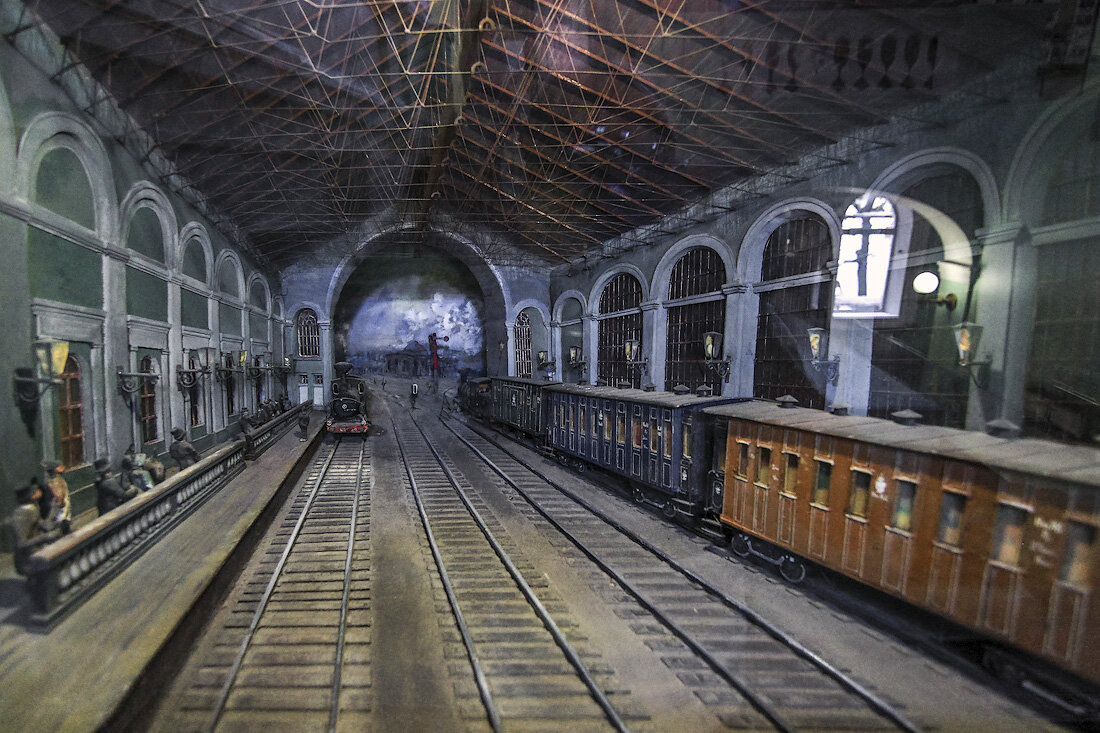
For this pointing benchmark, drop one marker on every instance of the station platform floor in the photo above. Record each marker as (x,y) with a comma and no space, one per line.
(75,676)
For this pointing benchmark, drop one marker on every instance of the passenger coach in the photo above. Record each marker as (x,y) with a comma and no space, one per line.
(653,439)
(996,534)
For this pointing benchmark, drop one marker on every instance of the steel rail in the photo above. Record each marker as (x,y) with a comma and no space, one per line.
(334,703)
(876,703)
(463,629)
(238,660)
(548,622)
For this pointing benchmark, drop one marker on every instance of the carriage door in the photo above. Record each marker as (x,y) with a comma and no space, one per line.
(855,521)
(620,436)
(638,430)
(606,432)
(653,446)
(760,490)
(594,427)
(1066,629)
(1003,571)
(666,449)
(788,497)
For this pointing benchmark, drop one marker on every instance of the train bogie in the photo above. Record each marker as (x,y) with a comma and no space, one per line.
(995,534)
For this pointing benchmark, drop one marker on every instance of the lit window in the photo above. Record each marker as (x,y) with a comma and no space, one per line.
(790,474)
(636,441)
(860,494)
(668,439)
(822,482)
(903,506)
(606,425)
(951,519)
(742,459)
(763,465)
(583,420)
(620,429)
(1076,561)
(1008,534)
(865,251)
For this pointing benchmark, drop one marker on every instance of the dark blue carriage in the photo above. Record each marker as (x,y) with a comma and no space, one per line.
(519,404)
(655,440)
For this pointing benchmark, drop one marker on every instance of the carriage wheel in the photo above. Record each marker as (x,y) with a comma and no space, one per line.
(580,466)
(639,495)
(739,545)
(792,569)
(669,510)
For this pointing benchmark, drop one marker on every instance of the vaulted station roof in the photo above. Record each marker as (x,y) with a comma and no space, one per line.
(550,125)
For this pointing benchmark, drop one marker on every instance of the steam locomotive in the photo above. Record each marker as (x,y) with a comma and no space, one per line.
(347,413)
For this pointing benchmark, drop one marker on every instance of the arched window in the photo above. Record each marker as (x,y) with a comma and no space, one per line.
(1074,190)
(619,320)
(866,256)
(70,406)
(572,335)
(913,354)
(522,333)
(147,404)
(700,272)
(309,334)
(230,386)
(194,395)
(796,247)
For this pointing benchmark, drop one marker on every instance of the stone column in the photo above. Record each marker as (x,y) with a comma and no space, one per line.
(328,351)
(653,343)
(510,347)
(732,337)
(591,344)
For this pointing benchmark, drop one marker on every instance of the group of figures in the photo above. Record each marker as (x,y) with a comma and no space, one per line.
(267,410)
(44,513)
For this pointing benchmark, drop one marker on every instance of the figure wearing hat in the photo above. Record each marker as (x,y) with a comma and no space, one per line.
(30,529)
(132,473)
(109,493)
(61,508)
(303,424)
(182,451)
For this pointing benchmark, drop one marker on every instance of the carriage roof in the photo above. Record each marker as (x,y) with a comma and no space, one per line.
(1079,464)
(670,400)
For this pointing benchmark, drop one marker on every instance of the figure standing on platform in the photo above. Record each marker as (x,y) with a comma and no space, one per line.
(108,492)
(61,508)
(132,474)
(182,451)
(412,395)
(30,530)
(303,425)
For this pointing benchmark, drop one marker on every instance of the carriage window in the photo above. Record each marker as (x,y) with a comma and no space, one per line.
(688,432)
(668,439)
(763,464)
(572,416)
(720,435)
(653,437)
(636,424)
(620,429)
(903,506)
(790,474)
(561,414)
(1008,534)
(951,514)
(584,420)
(743,459)
(860,494)
(821,485)
(1075,558)
(606,424)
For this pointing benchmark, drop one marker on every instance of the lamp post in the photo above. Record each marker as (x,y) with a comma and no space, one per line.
(576,362)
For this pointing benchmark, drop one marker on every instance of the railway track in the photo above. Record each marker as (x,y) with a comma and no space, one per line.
(528,673)
(734,658)
(293,645)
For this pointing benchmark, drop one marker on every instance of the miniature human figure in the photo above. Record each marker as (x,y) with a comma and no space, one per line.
(383,383)
(109,493)
(182,451)
(303,424)
(412,395)
(30,530)
(61,508)
(245,421)
(155,467)
(132,473)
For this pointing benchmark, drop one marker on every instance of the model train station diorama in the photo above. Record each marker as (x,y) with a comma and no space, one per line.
(801,297)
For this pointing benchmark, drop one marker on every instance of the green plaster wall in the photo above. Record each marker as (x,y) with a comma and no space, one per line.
(257,297)
(62,187)
(257,325)
(145,234)
(60,270)
(227,280)
(194,261)
(229,319)
(146,295)
(193,309)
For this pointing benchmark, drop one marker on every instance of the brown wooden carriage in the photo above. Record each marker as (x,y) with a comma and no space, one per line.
(997,534)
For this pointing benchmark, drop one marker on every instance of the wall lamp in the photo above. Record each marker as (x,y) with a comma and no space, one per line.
(129,383)
(51,357)
(546,363)
(712,350)
(927,283)
(634,358)
(576,362)
(188,378)
(223,373)
(967,337)
(819,349)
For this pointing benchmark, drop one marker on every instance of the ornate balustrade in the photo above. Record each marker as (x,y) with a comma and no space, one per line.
(67,572)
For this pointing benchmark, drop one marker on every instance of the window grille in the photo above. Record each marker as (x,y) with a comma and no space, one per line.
(1074,190)
(71,414)
(522,335)
(699,272)
(796,247)
(622,293)
(309,334)
(147,404)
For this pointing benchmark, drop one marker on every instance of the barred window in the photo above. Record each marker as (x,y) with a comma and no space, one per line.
(309,333)
(522,333)
(147,404)
(622,293)
(71,414)
(699,272)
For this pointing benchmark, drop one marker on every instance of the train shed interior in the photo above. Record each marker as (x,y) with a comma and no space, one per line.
(883,212)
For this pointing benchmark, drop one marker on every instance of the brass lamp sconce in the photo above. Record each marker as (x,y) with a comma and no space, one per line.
(967,337)
(819,349)
(223,373)
(188,378)
(712,350)
(130,383)
(576,362)
(50,357)
(634,359)
(255,371)
(546,363)
(927,283)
